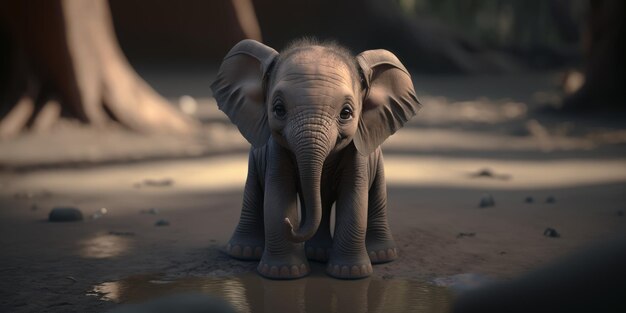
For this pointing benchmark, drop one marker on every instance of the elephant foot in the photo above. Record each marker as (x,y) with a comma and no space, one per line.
(247,250)
(349,267)
(349,271)
(290,267)
(381,251)
(383,255)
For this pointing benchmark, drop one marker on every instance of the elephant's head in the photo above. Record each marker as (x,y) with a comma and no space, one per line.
(314,99)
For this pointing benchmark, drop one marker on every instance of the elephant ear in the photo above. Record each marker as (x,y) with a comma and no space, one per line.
(238,88)
(389,100)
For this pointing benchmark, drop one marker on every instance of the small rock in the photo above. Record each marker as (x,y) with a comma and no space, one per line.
(162,223)
(551,232)
(34,207)
(485,172)
(486,201)
(460,235)
(620,213)
(65,214)
(502,252)
(387,276)
(488,173)
(529,199)
(550,199)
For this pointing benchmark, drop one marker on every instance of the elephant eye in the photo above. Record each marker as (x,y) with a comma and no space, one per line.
(346,113)
(279,111)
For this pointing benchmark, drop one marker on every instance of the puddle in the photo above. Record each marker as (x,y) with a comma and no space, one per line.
(252,293)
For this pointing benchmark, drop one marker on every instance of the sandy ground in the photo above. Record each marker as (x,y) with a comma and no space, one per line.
(433,198)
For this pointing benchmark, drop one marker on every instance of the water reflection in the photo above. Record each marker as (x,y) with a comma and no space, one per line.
(103,246)
(250,293)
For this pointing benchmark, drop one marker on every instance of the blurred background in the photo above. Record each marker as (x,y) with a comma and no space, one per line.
(147,68)
(106,104)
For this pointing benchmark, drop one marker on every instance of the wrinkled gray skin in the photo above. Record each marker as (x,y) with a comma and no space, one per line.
(316,117)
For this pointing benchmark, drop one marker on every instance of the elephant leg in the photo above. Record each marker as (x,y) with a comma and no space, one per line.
(282,259)
(348,258)
(379,242)
(247,242)
(319,246)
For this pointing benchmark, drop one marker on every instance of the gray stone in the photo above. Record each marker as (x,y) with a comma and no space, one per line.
(486,201)
(65,214)
(551,232)
(162,223)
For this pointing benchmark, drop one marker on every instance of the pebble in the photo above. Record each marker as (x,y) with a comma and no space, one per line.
(460,235)
(488,173)
(162,223)
(529,200)
(486,201)
(550,199)
(65,214)
(620,213)
(485,172)
(551,232)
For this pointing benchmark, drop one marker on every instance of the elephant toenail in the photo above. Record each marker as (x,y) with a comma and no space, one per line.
(382,255)
(336,270)
(373,256)
(355,271)
(236,251)
(303,269)
(295,272)
(345,271)
(284,271)
(274,271)
(247,252)
(265,269)
(364,269)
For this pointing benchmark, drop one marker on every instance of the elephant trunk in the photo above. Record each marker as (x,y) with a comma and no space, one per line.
(311,150)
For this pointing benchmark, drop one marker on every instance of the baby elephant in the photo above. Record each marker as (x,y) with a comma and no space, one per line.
(315,116)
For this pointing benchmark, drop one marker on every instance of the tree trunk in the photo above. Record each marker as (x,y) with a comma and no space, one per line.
(64,54)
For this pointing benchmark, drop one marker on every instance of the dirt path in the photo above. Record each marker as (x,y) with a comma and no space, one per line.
(440,229)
